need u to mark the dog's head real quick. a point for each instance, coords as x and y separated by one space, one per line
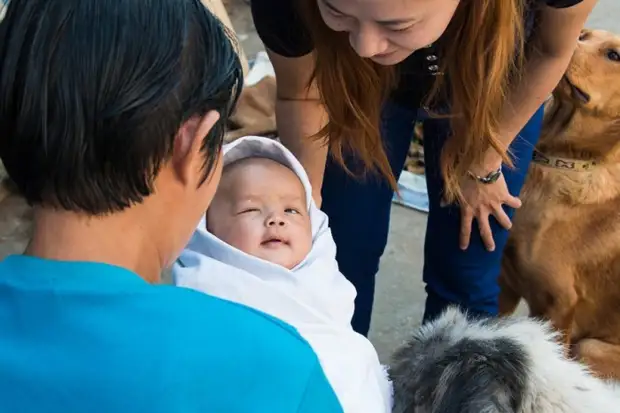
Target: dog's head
584 116
458 365
492 365
592 80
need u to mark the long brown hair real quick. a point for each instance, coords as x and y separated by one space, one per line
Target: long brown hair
479 60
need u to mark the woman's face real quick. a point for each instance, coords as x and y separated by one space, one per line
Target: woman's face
388 31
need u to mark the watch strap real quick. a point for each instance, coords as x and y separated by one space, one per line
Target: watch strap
490 178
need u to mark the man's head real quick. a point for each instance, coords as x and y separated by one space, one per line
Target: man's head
107 104
261 209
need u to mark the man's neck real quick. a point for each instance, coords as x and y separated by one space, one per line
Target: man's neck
112 239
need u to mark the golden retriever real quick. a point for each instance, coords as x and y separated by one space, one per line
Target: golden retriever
563 256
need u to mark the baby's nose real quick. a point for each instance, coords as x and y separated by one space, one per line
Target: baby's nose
276 220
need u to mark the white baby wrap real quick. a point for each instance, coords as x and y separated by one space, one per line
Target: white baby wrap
314 297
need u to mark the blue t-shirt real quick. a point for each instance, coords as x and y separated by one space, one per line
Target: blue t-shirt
89 337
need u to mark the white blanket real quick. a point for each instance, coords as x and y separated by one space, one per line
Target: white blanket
314 297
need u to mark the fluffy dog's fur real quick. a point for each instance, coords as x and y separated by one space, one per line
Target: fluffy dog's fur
563 256
506 365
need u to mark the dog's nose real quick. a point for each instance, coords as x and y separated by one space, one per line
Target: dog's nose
585 34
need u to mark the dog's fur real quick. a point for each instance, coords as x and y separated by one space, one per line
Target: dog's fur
563 256
503 365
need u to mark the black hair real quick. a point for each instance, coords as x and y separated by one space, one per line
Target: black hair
93 92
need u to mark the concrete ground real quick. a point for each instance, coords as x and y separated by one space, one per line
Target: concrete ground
400 295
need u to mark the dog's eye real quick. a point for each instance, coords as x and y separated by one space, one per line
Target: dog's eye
613 55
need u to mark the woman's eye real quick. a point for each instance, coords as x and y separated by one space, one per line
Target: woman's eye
332 11
402 29
613 55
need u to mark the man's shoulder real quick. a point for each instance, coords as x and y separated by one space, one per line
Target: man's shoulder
225 326
226 346
196 306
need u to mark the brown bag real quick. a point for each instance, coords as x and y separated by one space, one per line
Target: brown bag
255 113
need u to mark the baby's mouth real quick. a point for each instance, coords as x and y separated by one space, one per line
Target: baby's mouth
273 242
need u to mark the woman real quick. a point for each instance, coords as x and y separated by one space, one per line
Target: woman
357 74
110 118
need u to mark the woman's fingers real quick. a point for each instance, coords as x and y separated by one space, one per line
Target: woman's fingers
467 218
502 218
513 202
485 230
481 215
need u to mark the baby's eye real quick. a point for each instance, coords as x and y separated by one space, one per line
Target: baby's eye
247 210
291 211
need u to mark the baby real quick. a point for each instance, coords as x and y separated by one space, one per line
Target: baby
260 208
265 244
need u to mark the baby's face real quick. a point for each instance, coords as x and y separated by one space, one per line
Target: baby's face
260 209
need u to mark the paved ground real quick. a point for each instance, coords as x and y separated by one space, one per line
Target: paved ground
400 293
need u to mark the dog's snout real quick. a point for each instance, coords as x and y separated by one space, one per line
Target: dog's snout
585 35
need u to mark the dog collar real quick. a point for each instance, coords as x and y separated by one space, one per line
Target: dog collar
562 163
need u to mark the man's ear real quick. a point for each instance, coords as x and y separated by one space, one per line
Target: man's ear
187 158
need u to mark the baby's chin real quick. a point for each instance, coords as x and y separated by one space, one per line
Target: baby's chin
287 259
284 261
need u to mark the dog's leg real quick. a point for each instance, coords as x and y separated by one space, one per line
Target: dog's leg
557 304
601 357
508 298
562 315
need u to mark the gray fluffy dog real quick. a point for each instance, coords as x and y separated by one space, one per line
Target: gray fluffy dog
505 365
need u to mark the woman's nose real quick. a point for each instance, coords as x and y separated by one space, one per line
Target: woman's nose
367 42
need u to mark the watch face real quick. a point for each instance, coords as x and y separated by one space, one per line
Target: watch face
494 176
489 179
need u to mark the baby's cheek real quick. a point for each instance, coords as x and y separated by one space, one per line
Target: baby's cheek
308 238
245 237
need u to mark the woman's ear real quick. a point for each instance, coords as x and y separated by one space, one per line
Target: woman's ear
187 158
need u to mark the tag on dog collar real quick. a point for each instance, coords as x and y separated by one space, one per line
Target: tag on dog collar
562 163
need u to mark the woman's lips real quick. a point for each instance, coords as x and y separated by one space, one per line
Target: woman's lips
383 55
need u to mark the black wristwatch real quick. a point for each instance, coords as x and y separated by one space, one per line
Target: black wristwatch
489 179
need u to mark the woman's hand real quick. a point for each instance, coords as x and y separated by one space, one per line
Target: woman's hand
480 201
